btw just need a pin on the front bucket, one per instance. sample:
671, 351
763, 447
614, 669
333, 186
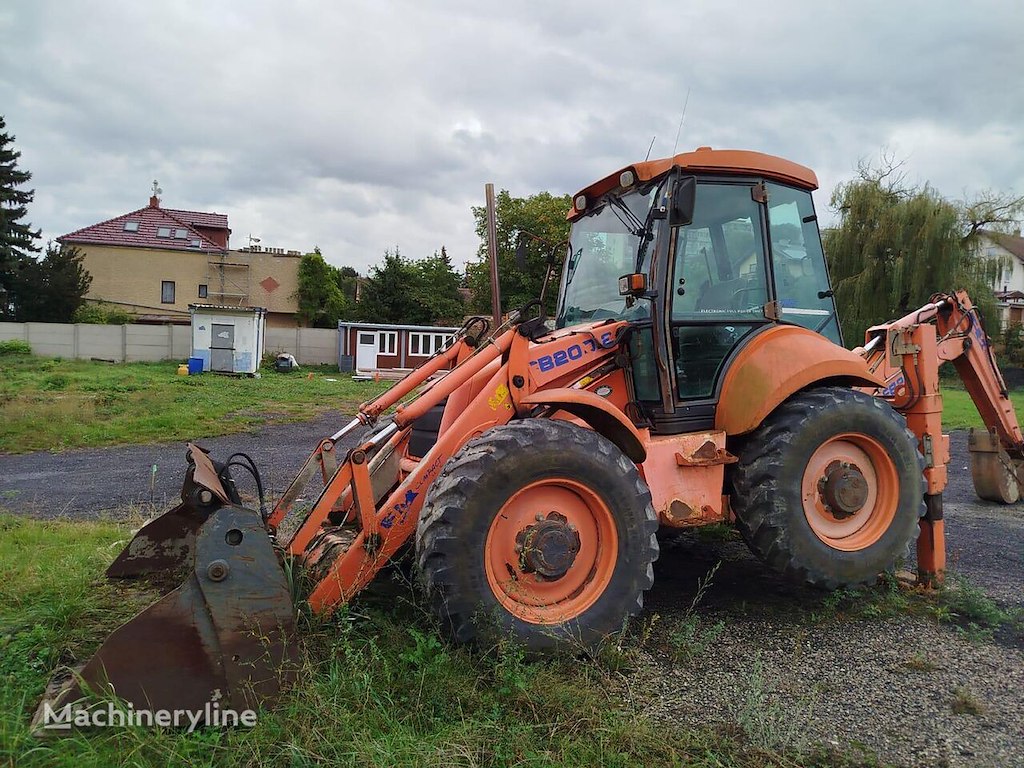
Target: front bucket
221, 640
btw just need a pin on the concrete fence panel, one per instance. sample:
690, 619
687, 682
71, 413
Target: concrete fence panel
181, 342
52, 339
138, 343
103, 342
9, 331
311, 346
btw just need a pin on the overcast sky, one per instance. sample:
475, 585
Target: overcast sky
358, 126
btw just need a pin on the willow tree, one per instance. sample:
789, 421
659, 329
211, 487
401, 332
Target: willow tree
895, 246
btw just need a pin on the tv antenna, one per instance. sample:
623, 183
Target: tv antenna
650, 148
682, 117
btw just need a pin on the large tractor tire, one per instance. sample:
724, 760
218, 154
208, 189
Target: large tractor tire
830, 489
540, 531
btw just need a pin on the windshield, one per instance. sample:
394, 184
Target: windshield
603, 246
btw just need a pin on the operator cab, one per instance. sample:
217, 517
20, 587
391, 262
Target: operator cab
718, 246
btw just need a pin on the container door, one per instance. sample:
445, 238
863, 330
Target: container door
366, 351
222, 348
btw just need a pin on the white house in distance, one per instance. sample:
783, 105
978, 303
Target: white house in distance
1009, 285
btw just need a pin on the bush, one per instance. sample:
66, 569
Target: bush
15, 347
100, 314
1013, 343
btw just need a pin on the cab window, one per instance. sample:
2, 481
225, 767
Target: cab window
801, 278
720, 272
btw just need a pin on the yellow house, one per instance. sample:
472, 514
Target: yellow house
155, 261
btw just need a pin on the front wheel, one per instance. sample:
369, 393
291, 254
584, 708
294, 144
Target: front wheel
830, 488
538, 530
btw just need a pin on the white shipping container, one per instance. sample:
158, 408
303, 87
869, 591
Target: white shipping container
228, 339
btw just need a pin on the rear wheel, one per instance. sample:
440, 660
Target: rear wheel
539, 530
830, 488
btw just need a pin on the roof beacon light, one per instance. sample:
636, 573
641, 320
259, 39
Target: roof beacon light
580, 203
626, 179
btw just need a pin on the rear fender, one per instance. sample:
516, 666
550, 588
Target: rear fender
600, 415
776, 364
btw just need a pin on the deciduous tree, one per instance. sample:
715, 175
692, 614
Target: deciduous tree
896, 245
543, 215
326, 293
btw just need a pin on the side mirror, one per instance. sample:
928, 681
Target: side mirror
634, 284
521, 254
684, 197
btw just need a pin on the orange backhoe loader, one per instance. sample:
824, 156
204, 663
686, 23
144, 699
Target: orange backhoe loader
693, 373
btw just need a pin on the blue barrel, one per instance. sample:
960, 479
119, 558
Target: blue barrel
195, 365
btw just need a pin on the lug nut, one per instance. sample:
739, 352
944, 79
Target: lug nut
539, 518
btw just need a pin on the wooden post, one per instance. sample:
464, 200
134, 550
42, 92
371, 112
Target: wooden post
492, 254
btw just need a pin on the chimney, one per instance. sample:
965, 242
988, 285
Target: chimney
154, 201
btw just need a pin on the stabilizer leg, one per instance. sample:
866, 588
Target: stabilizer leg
931, 544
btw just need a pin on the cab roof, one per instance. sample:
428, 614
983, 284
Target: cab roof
708, 160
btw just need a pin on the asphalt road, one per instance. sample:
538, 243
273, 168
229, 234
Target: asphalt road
91, 482
985, 540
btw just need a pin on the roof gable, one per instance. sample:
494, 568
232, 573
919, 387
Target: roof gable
150, 222
200, 218
1012, 243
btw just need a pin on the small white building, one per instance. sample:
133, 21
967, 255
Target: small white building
369, 347
228, 339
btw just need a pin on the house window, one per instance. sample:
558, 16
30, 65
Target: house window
387, 342
131, 226
202, 291
167, 292
180, 234
163, 232
194, 244
425, 344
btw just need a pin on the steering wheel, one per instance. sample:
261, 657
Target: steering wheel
737, 303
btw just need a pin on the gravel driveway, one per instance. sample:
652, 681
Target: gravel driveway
895, 687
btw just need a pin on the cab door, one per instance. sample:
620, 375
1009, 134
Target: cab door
720, 288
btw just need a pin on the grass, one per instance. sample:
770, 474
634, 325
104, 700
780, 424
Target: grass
966, 703
53, 404
958, 603
378, 687
958, 411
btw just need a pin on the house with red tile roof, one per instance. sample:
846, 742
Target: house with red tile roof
155, 261
1009, 283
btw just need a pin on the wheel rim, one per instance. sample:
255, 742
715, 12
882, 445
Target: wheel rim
850, 491
551, 551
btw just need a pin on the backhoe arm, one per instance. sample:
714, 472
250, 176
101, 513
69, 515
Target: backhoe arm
906, 354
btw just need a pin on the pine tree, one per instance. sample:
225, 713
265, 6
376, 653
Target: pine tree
17, 239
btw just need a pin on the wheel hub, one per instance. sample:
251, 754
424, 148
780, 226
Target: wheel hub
843, 489
548, 547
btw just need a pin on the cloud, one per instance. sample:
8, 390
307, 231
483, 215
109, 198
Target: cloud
364, 125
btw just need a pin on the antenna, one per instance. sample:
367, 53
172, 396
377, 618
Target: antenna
650, 148
682, 117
